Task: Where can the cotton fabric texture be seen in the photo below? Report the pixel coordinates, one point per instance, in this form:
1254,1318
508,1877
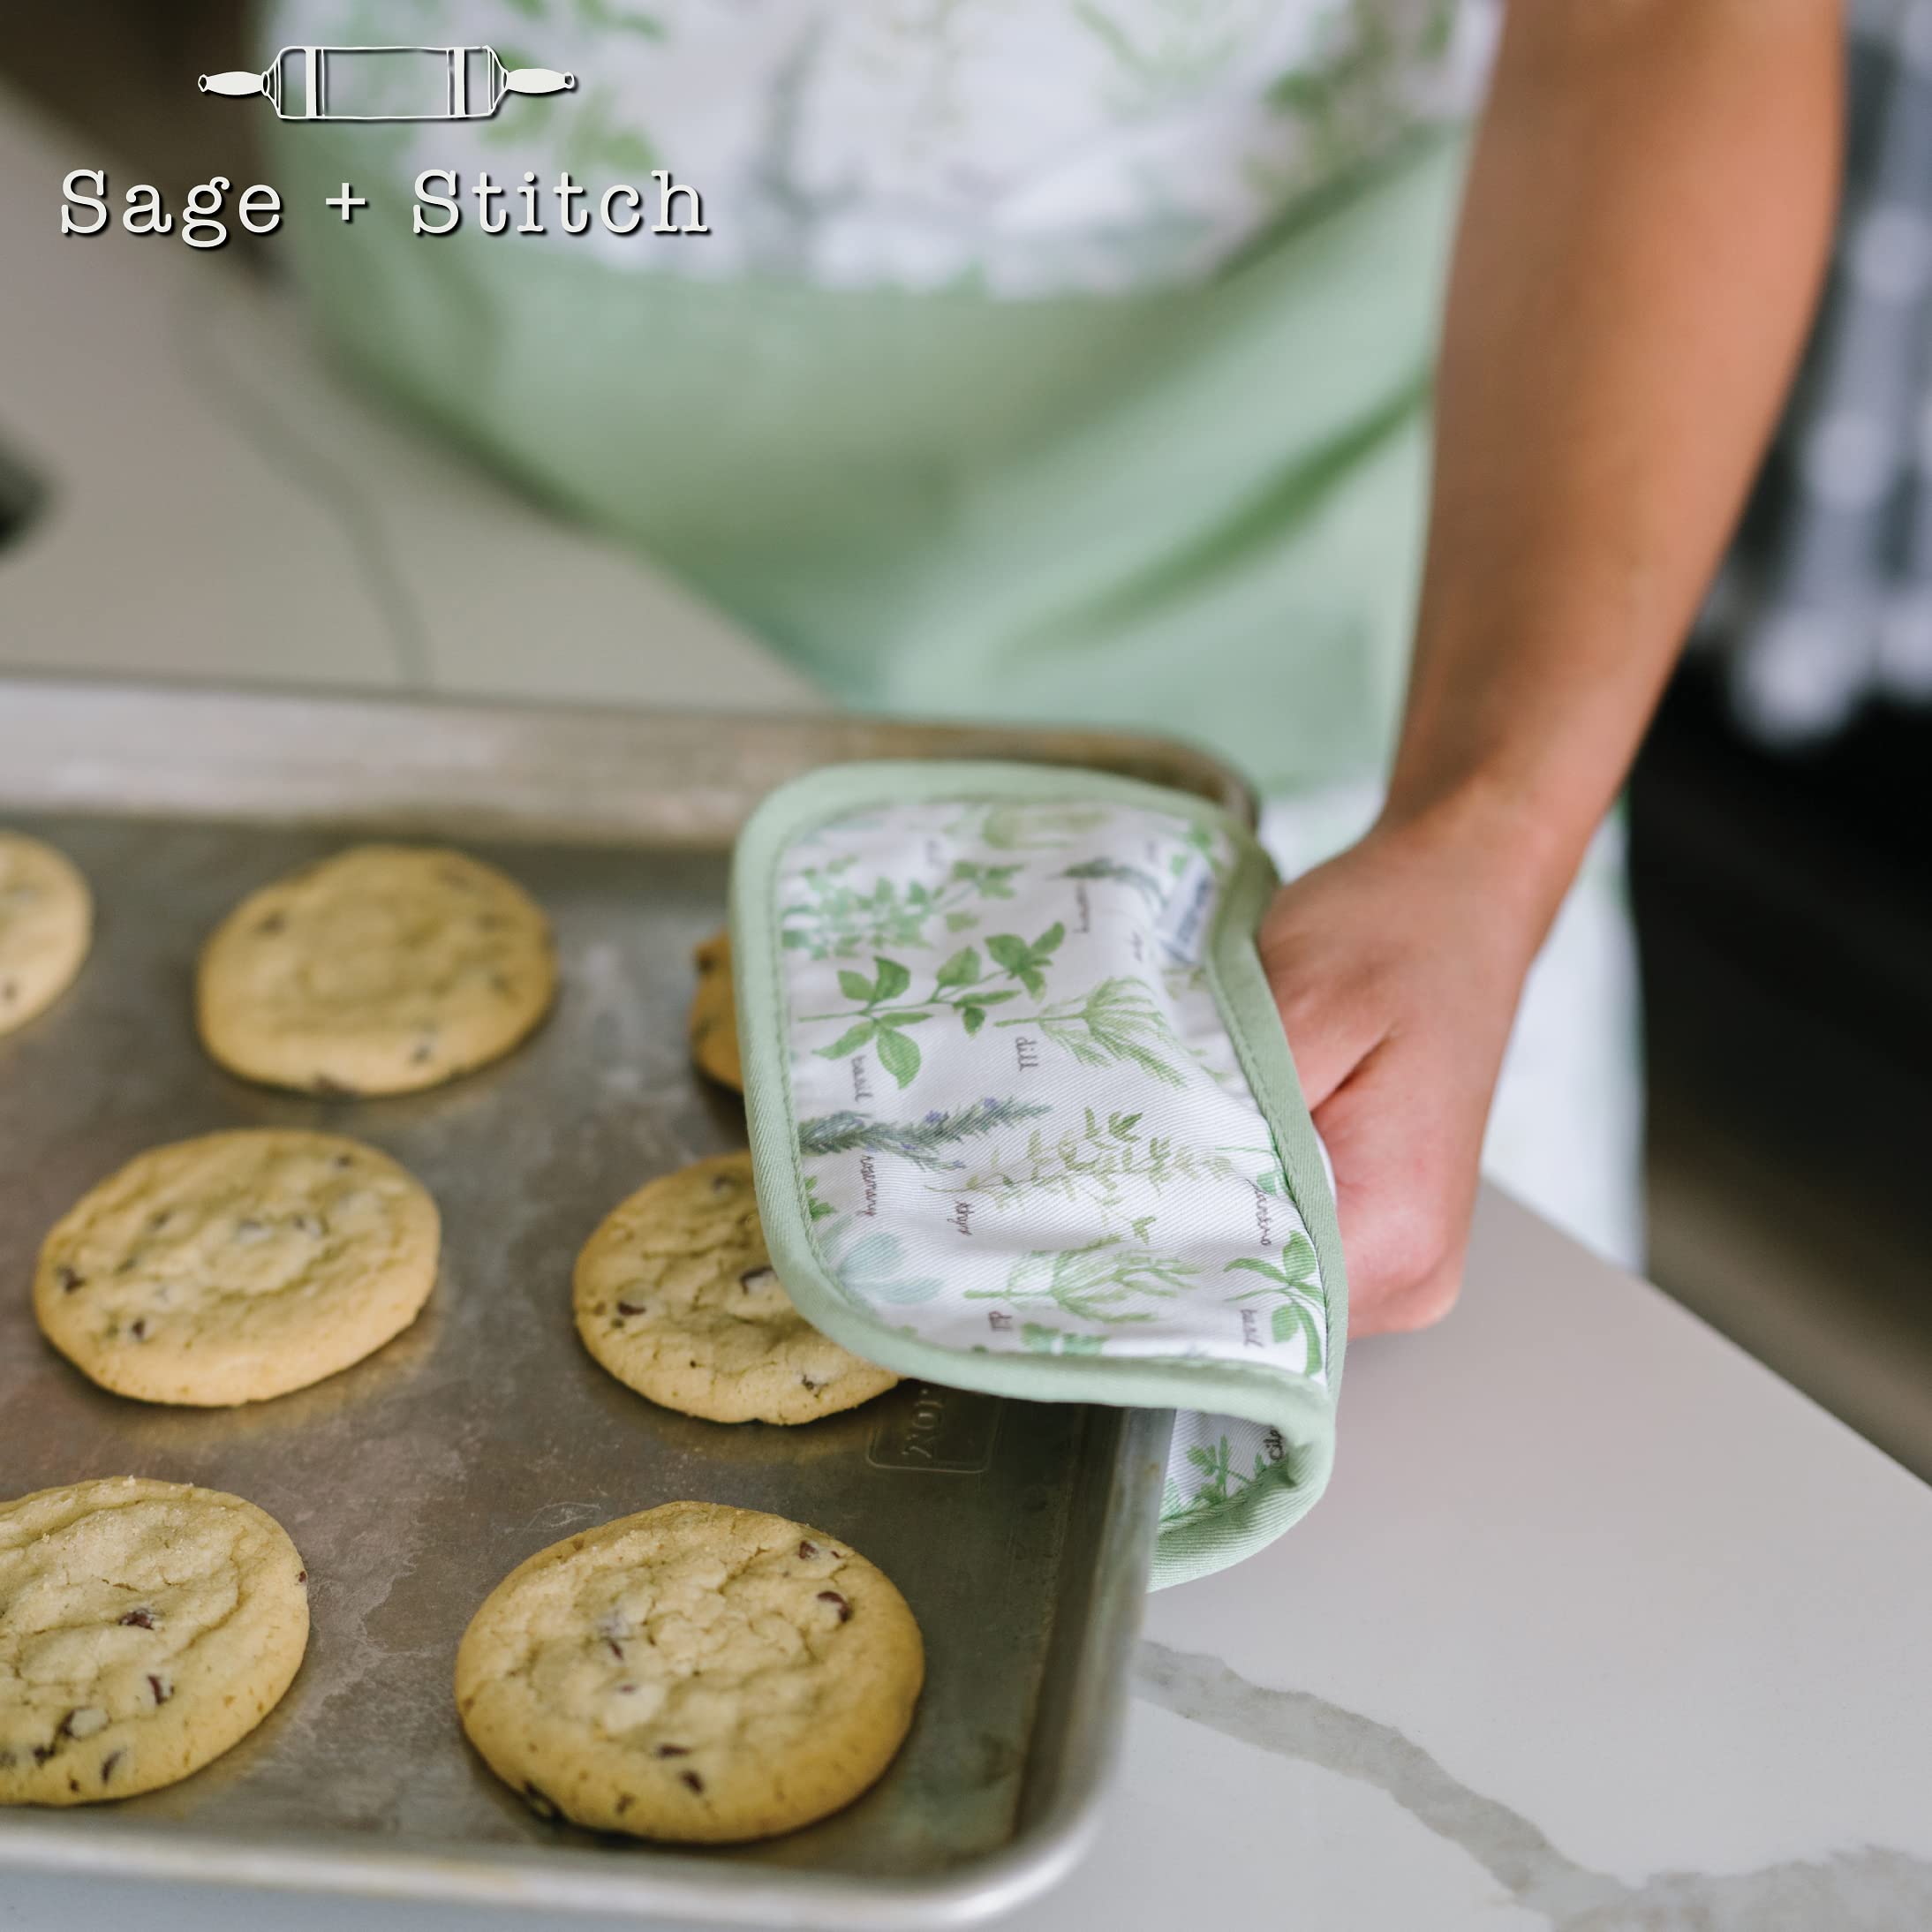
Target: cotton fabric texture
1023,1120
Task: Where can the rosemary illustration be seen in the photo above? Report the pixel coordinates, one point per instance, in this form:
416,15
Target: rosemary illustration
846,1132
842,920
1293,1286
1092,1283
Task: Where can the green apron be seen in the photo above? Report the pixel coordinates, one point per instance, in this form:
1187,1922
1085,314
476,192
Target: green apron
1196,510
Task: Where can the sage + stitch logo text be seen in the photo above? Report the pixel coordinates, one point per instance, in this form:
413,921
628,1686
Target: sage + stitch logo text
667,207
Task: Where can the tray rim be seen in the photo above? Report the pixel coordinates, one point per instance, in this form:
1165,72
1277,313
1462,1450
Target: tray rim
495,721
1050,1836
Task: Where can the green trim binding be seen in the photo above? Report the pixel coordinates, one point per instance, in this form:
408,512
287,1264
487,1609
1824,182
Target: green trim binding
1303,1412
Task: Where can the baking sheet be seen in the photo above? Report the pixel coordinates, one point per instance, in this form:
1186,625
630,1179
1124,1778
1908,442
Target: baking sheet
1020,1533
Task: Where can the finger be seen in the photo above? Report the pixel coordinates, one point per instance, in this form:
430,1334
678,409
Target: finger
1405,1190
1331,1022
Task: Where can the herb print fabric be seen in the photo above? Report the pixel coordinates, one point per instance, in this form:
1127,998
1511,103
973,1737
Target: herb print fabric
1022,1124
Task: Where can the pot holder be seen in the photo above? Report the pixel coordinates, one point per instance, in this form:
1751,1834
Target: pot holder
1023,1120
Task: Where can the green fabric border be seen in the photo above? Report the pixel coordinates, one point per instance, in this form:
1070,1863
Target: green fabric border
1303,1413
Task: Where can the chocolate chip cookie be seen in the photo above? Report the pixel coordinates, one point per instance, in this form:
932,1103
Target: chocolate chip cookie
714,1020
46,923
145,1627
694,1673
676,1296
236,1266
383,969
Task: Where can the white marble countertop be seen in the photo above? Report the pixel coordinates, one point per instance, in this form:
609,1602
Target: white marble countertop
1601,1624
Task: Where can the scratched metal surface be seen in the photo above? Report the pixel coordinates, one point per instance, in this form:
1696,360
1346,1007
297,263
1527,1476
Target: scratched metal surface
411,1483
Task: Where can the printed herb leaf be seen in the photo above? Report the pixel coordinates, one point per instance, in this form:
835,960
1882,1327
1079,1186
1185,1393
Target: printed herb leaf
1144,882
1119,1020
1298,1259
898,1055
962,969
1041,1340
871,1267
1295,1270
1010,951
837,920
1256,1266
1290,1316
850,1041
1103,1170
1102,1282
1024,962
1220,1483
892,978
1293,1281
856,986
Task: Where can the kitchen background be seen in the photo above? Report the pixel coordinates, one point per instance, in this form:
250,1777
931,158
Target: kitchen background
1777,816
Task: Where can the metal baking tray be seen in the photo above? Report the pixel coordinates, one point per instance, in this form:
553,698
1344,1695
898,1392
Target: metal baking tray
1020,1533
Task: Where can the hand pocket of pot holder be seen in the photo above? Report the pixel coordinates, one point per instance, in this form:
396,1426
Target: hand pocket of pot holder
1024,1119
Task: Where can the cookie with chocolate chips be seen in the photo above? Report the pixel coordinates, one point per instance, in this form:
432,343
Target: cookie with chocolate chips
236,1266
45,926
676,1296
145,1627
713,1023
383,969
694,1673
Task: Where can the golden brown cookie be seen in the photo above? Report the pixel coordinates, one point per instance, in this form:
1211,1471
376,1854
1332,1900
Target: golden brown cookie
676,1296
46,924
145,1627
383,969
693,1673
714,1015
237,1265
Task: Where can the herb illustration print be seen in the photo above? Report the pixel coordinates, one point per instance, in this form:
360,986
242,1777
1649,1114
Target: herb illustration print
834,919
1022,1123
1293,1285
963,986
1105,1281
1121,1019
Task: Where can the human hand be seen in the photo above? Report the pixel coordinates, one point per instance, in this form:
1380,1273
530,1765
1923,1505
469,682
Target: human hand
1397,967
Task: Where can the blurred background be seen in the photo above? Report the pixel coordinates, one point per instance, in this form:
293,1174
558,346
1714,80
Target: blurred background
1778,817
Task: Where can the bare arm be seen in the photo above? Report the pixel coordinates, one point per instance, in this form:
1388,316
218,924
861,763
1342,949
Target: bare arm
1643,232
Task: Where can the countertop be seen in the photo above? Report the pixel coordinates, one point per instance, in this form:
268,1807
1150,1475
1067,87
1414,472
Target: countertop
1601,1625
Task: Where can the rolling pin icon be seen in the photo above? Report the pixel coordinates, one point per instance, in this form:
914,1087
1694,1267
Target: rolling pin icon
387,83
